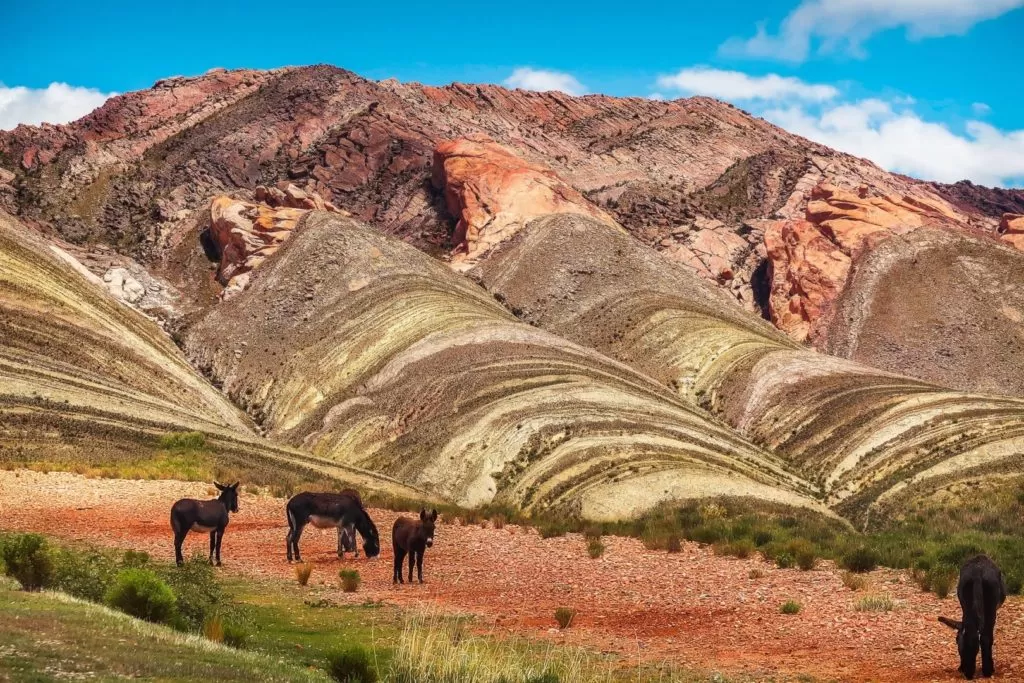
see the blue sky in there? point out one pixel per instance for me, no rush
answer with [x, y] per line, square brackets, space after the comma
[928, 87]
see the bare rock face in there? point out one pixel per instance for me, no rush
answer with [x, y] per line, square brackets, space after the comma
[494, 193]
[1011, 229]
[247, 233]
[811, 259]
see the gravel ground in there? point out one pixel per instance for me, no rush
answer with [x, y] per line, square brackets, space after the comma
[689, 608]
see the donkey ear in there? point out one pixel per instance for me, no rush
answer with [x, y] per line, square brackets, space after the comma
[220, 487]
[423, 514]
[235, 485]
[953, 624]
[433, 515]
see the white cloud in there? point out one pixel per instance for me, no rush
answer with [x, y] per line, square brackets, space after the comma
[844, 25]
[544, 80]
[656, 96]
[980, 108]
[738, 86]
[57, 103]
[899, 140]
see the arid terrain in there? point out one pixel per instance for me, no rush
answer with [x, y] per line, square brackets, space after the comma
[690, 608]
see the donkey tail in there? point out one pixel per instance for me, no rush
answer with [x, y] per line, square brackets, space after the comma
[979, 602]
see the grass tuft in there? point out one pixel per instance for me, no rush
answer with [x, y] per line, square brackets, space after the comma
[565, 616]
[350, 580]
[303, 572]
[791, 607]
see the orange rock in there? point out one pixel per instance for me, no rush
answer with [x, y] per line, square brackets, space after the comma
[808, 271]
[1011, 229]
[246, 233]
[493, 194]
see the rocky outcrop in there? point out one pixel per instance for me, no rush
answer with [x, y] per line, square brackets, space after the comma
[1011, 229]
[811, 259]
[247, 233]
[493, 194]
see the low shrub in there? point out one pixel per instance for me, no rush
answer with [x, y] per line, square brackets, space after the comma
[350, 580]
[183, 441]
[236, 634]
[784, 560]
[673, 543]
[142, 594]
[303, 572]
[791, 607]
[742, 548]
[595, 548]
[351, 665]
[499, 521]
[755, 573]
[874, 603]
[860, 559]
[87, 575]
[199, 595]
[27, 559]
[564, 616]
[552, 529]
[134, 558]
[804, 554]
[941, 579]
[854, 582]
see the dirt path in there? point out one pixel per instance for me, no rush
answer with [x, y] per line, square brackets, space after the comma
[690, 608]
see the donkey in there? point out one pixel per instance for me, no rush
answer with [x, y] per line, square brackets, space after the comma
[325, 510]
[189, 514]
[981, 591]
[412, 537]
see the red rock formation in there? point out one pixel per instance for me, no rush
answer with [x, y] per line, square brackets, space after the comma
[246, 234]
[811, 259]
[1011, 229]
[493, 193]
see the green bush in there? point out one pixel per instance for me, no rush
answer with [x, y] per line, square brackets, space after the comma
[142, 594]
[87, 575]
[198, 594]
[791, 607]
[861, 559]
[784, 560]
[941, 578]
[595, 548]
[804, 553]
[183, 441]
[351, 665]
[134, 558]
[27, 559]
[564, 616]
[350, 580]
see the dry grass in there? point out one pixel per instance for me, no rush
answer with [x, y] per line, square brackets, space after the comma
[875, 603]
[303, 572]
[854, 582]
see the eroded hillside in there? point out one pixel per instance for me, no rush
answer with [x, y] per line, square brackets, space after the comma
[366, 351]
[85, 380]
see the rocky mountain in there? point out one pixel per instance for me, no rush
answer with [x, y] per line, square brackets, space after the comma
[589, 303]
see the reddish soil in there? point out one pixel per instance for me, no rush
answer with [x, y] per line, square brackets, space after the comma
[690, 608]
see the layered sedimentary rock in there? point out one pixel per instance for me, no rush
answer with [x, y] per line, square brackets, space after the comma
[246, 233]
[493, 193]
[870, 438]
[366, 351]
[86, 381]
[1011, 229]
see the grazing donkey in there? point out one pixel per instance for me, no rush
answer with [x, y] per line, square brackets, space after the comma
[412, 537]
[189, 514]
[981, 591]
[324, 510]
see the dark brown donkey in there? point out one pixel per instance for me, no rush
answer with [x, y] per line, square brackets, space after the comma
[981, 591]
[189, 514]
[412, 537]
[324, 510]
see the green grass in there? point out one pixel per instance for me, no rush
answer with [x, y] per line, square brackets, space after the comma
[49, 636]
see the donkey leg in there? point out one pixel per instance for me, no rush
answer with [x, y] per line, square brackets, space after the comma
[988, 665]
[341, 548]
[296, 535]
[220, 537]
[412, 560]
[179, 538]
[419, 566]
[399, 556]
[213, 544]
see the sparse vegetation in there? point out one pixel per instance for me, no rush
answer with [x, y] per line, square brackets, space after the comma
[142, 594]
[791, 607]
[755, 574]
[26, 558]
[351, 665]
[874, 603]
[564, 616]
[861, 559]
[303, 572]
[183, 441]
[595, 548]
[854, 582]
[350, 580]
